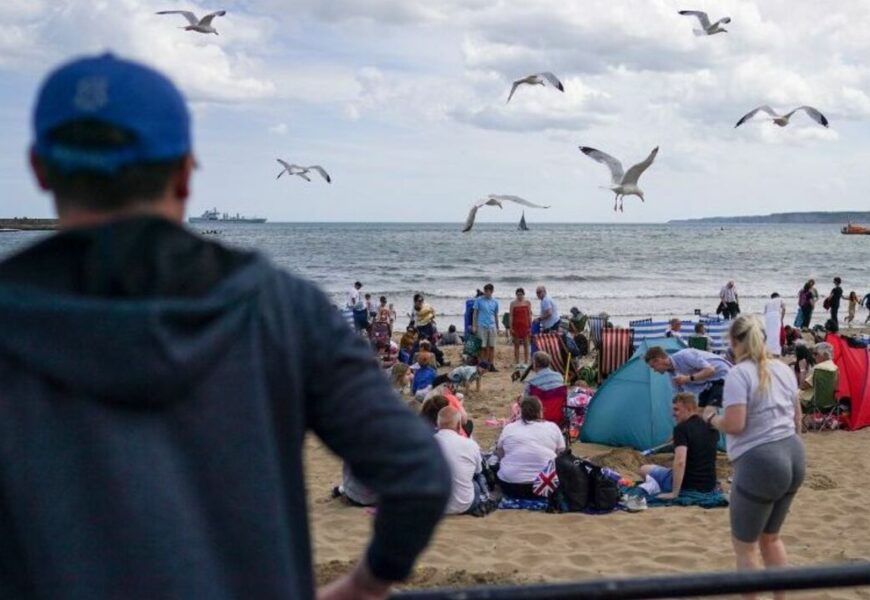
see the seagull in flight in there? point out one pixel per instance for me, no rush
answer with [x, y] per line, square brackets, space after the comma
[782, 120]
[537, 79]
[707, 28]
[202, 25]
[622, 183]
[495, 200]
[301, 171]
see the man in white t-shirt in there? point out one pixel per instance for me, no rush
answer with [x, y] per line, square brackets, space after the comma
[463, 456]
[353, 295]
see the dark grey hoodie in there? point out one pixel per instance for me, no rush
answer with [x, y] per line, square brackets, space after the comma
[155, 391]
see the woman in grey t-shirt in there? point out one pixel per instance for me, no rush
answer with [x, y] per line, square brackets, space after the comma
[761, 420]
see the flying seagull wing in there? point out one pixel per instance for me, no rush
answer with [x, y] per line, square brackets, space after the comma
[322, 172]
[206, 20]
[286, 166]
[191, 18]
[634, 173]
[516, 199]
[469, 220]
[513, 89]
[814, 114]
[553, 80]
[752, 112]
[616, 172]
[701, 16]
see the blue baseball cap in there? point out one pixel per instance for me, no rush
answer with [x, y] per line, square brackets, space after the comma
[117, 92]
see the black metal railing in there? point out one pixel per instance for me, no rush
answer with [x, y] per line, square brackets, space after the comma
[670, 586]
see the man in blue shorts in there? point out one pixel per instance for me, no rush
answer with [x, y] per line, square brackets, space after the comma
[695, 443]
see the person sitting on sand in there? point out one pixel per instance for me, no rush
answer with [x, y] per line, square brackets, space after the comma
[430, 409]
[424, 375]
[463, 457]
[544, 378]
[674, 327]
[451, 338]
[696, 371]
[353, 492]
[823, 358]
[524, 448]
[695, 443]
[465, 374]
[701, 332]
[442, 386]
[424, 354]
[401, 376]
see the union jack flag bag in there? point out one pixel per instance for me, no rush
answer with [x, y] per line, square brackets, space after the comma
[547, 481]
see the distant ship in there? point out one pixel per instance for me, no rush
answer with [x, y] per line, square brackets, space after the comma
[855, 230]
[523, 226]
[212, 216]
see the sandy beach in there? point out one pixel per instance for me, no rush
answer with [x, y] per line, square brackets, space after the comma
[827, 523]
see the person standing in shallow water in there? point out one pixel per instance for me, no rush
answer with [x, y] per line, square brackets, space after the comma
[186, 449]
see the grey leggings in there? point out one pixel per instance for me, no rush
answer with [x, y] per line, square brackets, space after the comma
[766, 479]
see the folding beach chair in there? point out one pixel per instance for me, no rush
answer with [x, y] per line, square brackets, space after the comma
[823, 410]
[552, 344]
[616, 348]
[596, 326]
[555, 404]
[699, 342]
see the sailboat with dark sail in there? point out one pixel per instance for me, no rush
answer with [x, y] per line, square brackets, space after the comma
[523, 226]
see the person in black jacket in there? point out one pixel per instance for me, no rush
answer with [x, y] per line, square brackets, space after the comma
[836, 296]
[157, 387]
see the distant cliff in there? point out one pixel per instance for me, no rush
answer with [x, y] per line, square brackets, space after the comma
[26, 224]
[840, 218]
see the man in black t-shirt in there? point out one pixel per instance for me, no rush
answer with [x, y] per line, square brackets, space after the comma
[695, 445]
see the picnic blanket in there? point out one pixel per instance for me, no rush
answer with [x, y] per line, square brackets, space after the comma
[516, 504]
[714, 499]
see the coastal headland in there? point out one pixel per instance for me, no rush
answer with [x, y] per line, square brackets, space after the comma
[28, 224]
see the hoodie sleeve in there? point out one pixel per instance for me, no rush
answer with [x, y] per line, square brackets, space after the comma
[351, 406]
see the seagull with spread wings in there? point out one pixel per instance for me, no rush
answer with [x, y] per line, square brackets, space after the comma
[495, 200]
[707, 28]
[783, 120]
[301, 171]
[202, 25]
[622, 183]
[537, 79]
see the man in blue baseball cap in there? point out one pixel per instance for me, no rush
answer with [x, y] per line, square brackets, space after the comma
[157, 387]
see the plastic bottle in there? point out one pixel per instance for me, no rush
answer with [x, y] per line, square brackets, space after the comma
[610, 474]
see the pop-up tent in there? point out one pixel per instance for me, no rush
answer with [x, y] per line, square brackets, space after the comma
[633, 406]
[854, 366]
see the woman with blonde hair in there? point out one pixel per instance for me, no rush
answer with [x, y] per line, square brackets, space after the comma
[761, 421]
[400, 377]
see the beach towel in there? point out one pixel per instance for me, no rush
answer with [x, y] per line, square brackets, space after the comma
[515, 504]
[714, 499]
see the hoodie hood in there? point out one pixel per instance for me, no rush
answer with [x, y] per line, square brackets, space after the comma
[134, 312]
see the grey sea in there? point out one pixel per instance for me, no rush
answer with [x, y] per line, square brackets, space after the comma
[628, 271]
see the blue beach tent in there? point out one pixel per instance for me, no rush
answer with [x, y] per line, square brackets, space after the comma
[633, 406]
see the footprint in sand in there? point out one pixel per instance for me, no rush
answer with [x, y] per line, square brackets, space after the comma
[820, 481]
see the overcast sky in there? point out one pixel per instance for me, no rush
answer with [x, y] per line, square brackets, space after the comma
[403, 102]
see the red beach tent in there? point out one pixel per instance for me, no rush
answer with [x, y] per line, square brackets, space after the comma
[854, 366]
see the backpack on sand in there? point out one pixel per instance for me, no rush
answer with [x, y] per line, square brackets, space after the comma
[574, 484]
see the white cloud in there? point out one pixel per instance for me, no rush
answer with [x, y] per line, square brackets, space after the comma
[279, 129]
